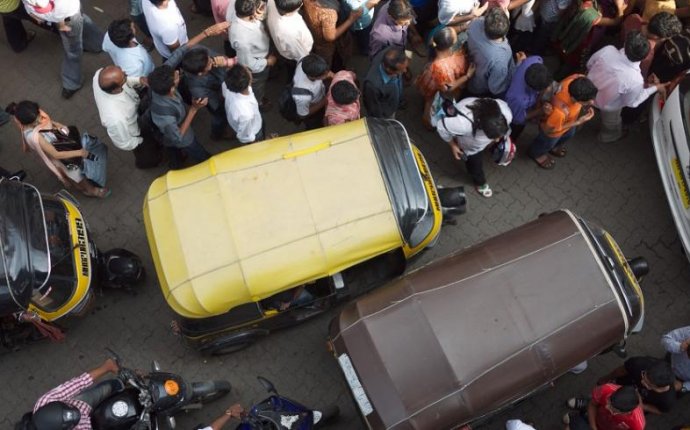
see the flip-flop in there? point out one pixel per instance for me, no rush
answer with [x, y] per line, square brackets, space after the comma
[104, 193]
[559, 151]
[484, 190]
[547, 163]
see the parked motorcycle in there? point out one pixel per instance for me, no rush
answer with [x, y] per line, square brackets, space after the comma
[280, 413]
[150, 401]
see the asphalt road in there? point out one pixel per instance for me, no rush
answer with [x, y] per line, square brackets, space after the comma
[616, 185]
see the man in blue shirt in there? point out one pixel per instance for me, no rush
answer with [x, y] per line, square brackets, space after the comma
[383, 88]
[530, 81]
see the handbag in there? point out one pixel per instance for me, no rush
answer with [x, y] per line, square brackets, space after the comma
[65, 142]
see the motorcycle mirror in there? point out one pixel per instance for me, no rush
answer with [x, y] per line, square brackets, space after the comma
[155, 366]
[268, 385]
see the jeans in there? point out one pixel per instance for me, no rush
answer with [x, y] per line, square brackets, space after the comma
[84, 35]
[95, 394]
[475, 167]
[219, 121]
[362, 39]
[140, 21]
[516, 130]
[542, 144]
[195, 151]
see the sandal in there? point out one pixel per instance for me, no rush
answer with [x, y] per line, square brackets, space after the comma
[103, 193]
[546, 162]
[559, 151]
[484, 190]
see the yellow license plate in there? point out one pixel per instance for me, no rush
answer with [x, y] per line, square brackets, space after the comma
[680, 181]
[626, 267]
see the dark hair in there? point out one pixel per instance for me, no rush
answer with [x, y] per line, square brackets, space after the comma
[287, 6]
[625, 399]
[496, 23]
[538, 77]
[344, 93]
[120, 32]
[636, 46]
[25, 111]
[195, 60]
[245, 8]
[314, 66]
[487, 116]
[237, 78]
[400, 9]
[393, 57]
[664, 25]
[444, 38]
[162, 79]
[157, 2]
[582, 89]
[661, 374]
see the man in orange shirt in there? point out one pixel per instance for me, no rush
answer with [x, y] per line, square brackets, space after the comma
[562, 118]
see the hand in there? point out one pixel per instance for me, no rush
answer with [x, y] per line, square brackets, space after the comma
[111, 366]
[471, 70]
[144, 81]
[620, 6]
[653, 79]
[685, 345]
[199, 103]
[355, 14]
[329, 75]
[64, 27]
[547, 109]
[478, 10]
[455, 149]
[520, 57]
[586, 117]
[662, 90]
[219, 61]
[83, 153]
[271, 60]
[217, 29]
[235, 411]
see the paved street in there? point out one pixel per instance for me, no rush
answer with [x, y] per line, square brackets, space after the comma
[615, 185]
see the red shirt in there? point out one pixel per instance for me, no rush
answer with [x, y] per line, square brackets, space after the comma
[606, 420]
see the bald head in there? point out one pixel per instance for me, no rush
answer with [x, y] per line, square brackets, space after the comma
[112, 79]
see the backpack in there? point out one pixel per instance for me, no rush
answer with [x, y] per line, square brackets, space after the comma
[286, 102]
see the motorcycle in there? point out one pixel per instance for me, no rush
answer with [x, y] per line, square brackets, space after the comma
[280, 413]
[150, 401]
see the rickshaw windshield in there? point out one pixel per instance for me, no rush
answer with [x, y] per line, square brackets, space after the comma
[61, 284]
[401, 173]
[25, 257]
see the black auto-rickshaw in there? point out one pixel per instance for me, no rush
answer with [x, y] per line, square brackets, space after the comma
[50, 263]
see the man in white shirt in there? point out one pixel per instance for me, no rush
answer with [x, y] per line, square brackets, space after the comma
[166, 25]
[78, 33]
[290, 33]
[616, 74]
[310, 73]
[250, 40]
[121, 44]
[241, 106]
[117, 102]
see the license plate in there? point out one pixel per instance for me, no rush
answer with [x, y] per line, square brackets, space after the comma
[355, 385]
[680, 181]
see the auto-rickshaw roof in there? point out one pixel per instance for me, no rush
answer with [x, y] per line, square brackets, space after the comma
[266, 217]
[25, 262]
[469, 333]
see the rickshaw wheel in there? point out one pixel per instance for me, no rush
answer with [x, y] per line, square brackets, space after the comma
[229, 349]
[232, 342]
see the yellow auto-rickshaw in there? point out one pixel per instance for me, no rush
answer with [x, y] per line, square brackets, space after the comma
[49, 263]
[259, 237]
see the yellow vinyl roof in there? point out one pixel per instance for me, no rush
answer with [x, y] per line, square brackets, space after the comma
[263, 218]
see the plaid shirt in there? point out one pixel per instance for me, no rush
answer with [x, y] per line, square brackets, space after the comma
[66, 393]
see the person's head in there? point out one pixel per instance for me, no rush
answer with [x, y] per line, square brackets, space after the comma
[315, 67]
[582, 90]
[395, 61]
[624, 400]
[538, 77]
[56, 416]
[163, 80]
[344, 93]
[159, 3]
[496, 23]
[26, 111]
[287, 6]
[121, 32]
[111, 79]
[238, 78]
[245, 8]
[445, 39]
[401, 12]
[636, 46]
[659, 375]
[663, 25]
[196, 61]
[487, 116]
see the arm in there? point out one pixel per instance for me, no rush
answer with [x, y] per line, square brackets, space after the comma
[635, 98]
[331, 32]
[59, 155]
[462, 80]
[234, 411]
[108, 366]
[176, 57]
[193, 110]
[316, 107]
[676, 341]
[514, 4]
[592, 414]
[651, 409]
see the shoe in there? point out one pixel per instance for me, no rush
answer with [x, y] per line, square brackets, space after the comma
[578, 403]
[566, 418]
[485, 190]
[67, 94]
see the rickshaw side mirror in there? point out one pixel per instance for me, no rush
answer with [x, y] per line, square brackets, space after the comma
[268, 385]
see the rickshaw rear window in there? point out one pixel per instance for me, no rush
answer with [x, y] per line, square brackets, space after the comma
[57, 228]
[54, 294]
[401, 174]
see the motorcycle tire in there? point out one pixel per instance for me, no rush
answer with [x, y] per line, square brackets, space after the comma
[327, 414]
[209, 391]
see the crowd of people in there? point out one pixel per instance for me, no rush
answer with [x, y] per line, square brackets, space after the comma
[484, 80]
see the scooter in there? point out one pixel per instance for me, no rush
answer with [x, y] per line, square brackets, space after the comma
[150, 401]
[280, 413]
